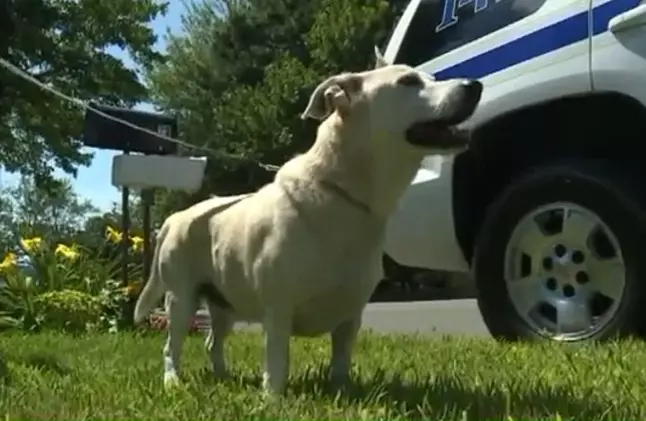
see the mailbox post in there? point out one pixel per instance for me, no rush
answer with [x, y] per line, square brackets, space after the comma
[104, 133]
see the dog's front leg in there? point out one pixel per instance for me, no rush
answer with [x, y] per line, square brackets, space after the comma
[277, 327]
[344, 337]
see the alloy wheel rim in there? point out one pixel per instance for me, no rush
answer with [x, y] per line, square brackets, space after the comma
[564, 271]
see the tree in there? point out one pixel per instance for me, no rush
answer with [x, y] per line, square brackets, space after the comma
[96, 225]
[228, 46]
[251, 68]
[28, 210]
[63, 43]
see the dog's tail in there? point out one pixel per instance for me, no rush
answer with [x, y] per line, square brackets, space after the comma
[155, 288]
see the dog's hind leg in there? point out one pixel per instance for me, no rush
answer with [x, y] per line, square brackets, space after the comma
[344, 337]
[221, 325]
[277, 327]
[180, 310]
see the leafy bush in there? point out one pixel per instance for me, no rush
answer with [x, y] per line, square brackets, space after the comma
[69, 310]
[17, 307]
[47, 283]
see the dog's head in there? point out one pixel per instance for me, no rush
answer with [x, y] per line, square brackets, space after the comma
[400, 104]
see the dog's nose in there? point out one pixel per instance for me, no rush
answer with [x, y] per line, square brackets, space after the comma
[472, 88]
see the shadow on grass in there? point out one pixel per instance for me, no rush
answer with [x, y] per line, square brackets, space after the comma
[421, 399]
[45, 362]
[42, 362]
[4, 371]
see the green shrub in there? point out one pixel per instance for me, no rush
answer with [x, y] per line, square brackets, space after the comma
[69, 310]
[62, 286]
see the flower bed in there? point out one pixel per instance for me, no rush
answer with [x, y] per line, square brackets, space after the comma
[159, 321]
[67, 286]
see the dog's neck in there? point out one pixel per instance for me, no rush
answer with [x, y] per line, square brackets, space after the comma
[368, 176]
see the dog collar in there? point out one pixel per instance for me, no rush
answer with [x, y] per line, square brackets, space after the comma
[344, 193]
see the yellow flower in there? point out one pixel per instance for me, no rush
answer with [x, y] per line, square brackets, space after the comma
[67, 252]
[133, 288]
[113, 235]
[31, 244]
[137, 242]
[9, 262]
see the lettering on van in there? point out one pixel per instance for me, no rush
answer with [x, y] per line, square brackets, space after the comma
[450, 11]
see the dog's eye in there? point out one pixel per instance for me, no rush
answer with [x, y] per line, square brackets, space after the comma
[411, 80]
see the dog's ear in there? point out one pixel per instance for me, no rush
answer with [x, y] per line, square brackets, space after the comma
[334, 94]
[380, 61]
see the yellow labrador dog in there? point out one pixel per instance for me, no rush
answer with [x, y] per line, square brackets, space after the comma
[302, 255]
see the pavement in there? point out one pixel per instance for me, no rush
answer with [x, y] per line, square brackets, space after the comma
[455, 317]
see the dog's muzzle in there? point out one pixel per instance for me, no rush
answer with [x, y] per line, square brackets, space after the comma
[441, 132]
[463, 102]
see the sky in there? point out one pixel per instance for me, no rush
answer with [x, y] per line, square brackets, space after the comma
[94, 182]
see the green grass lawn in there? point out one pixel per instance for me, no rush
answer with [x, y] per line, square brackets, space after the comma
[118, 377]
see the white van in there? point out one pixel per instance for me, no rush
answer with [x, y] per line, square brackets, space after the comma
[547, 209]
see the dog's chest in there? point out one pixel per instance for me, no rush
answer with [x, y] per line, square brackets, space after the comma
[343, 299]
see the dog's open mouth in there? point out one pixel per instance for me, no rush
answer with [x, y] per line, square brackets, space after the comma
[437, 135]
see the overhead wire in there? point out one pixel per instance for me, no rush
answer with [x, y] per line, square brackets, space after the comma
[87, 107]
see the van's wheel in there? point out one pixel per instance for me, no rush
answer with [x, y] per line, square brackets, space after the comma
[560, 255]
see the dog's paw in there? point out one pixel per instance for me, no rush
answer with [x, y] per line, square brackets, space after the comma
[271, 397]
[339, 382]
[339, 378]
[271, 392]
[171, 381]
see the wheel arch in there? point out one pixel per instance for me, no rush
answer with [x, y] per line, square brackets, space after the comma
[602, 125]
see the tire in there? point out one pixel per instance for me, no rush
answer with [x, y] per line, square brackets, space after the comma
[582, 191]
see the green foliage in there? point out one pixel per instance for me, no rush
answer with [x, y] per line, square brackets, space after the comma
[68, 273]
[54, 217]
[344, 34]
[63, 43]
[17, 303]
[69, 310]
[92, 236]
[262, 122]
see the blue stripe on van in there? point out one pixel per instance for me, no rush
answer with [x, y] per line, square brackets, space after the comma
[545, 40]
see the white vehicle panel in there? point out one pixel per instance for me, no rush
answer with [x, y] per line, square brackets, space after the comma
[421, 233]
[619, 58]
[555, 75]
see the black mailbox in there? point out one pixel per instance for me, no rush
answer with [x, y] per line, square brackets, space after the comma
[104, 133]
